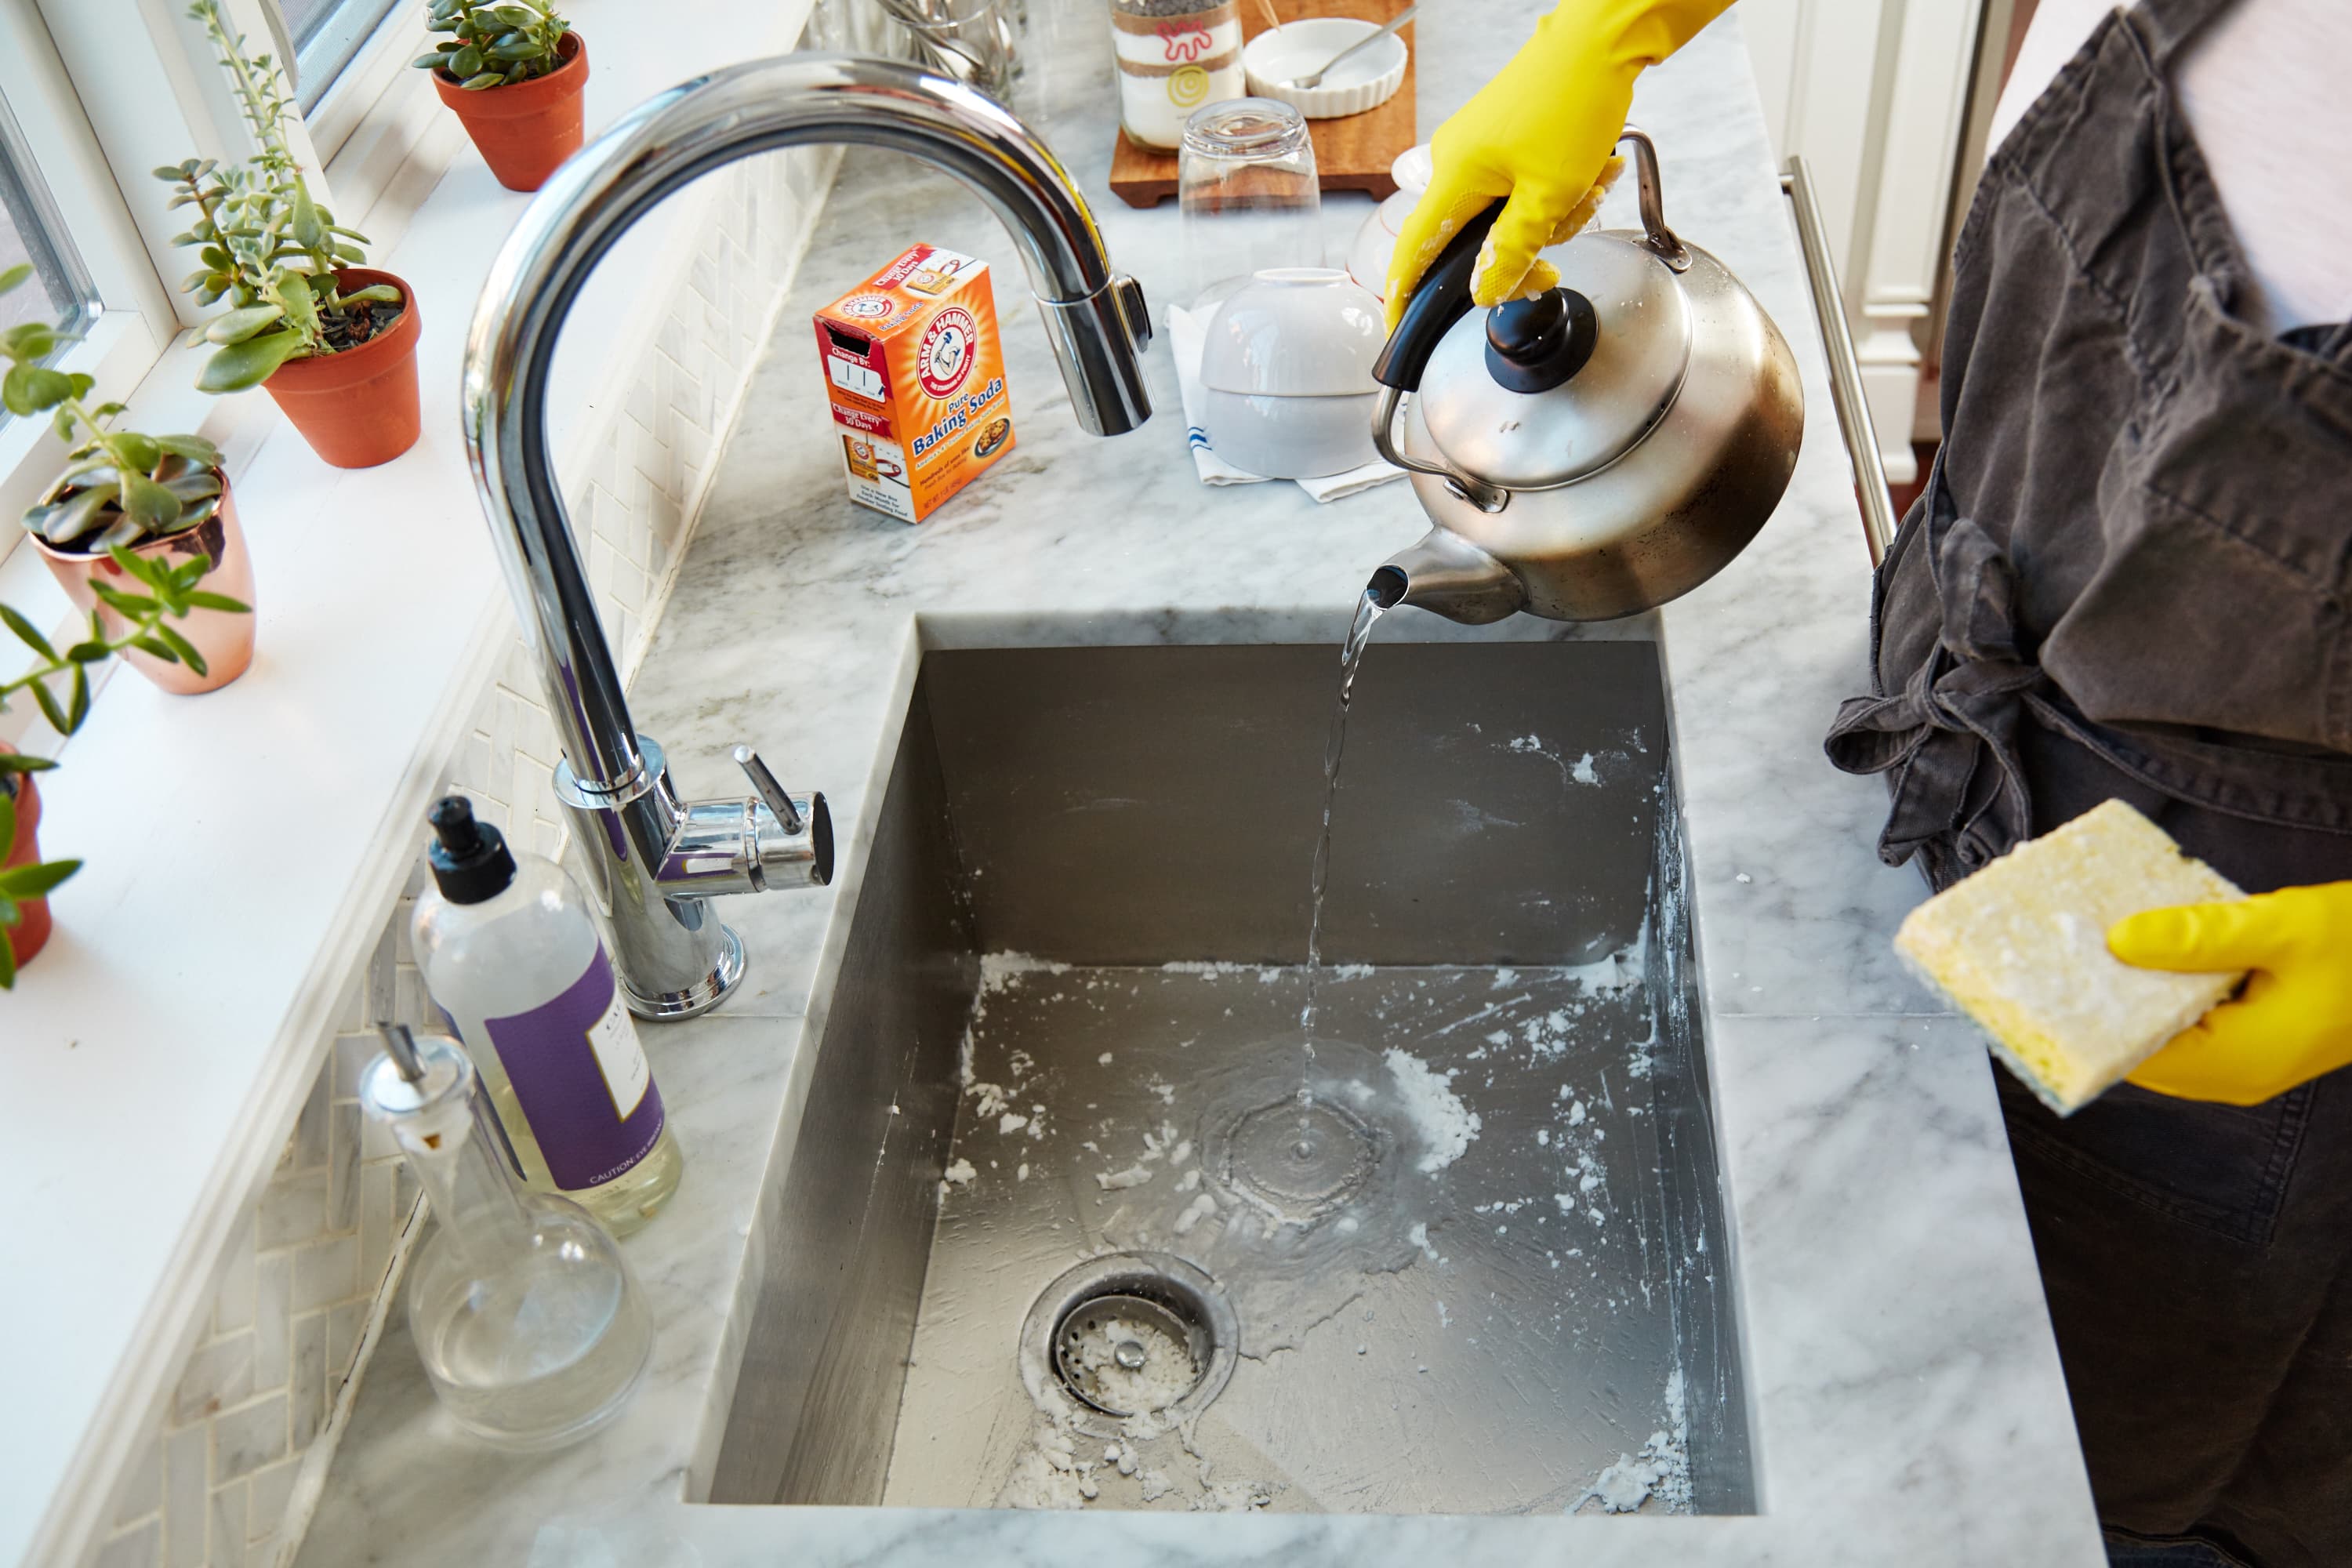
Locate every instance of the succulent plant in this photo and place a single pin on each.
(495, 46)
(266, 246)
(119, 487)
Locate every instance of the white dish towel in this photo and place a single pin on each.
(1186, 333)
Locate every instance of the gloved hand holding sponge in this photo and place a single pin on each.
(2102, 952)
(1538, 138)
(2293, 1021)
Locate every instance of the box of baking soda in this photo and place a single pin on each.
(915, 371)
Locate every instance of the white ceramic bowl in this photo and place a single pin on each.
(1294, 332)
(1291, 437)
(1277, 55)
(1376, 237)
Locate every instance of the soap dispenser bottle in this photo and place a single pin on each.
(525, 1314)
(512, 959)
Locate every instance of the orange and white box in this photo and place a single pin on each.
(915, 371)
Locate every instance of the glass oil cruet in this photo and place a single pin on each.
(525, 1314)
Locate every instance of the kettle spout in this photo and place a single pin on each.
(1446, 573)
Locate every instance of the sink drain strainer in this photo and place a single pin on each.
(1130, 1334)
(1297, 1159)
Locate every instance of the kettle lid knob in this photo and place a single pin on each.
(1537, 343)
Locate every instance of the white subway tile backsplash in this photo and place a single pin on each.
(244, 1440)
(296, 1291)
(233, 1296)
(306, 1389)
(343, 1165)
(309, 1140)
(271, 1486)
(273, 1281)
(293, 1209)
(142, 1546)
(220, 1373)
(188, 1496)
(139, 1493)
(325, 1271)
(227, 1540)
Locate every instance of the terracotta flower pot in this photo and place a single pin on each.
(357, 408)
(526, 128)
(31, 931)
(225, 639)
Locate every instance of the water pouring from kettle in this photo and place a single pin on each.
(1595, 451)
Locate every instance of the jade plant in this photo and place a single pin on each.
(119, 486)
(20, 885)
(266, 246)
(159, 593)
(170, 594)
(495, 46)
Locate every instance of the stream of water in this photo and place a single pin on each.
(1368, 611)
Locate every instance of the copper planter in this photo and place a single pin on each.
(225, 639)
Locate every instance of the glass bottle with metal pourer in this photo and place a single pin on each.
(526, 1316)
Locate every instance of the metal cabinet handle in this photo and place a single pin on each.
(1845, 368)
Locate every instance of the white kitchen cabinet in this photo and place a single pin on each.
(1885, 99)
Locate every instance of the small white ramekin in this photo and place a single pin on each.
(1298, 48)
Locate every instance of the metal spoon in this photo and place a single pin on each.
(1358, 47)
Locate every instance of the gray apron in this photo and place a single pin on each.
(2130, 576)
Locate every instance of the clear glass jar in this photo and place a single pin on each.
(971, 40)
(526, 1316)
(1174, 56)
(1246, 188)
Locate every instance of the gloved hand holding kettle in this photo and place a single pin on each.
(1537, 138)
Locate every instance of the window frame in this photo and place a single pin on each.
(136, 323)
(337, 46)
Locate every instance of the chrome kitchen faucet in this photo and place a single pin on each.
(654, 860)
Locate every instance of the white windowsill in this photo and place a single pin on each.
(242, 850)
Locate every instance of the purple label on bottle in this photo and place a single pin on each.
(582, 1079)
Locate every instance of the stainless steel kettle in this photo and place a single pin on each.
(1595, 451)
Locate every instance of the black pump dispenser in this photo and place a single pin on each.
(469, 861)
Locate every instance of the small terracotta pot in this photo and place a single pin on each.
(526, 128)
(31, 931)
(225, 639)
(357, 408)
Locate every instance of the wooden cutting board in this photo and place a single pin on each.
(1351, 154)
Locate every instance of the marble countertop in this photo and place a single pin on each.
(1906, 1402)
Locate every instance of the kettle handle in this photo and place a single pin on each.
(1443, 296)
(1441, 299)
(1663, 241)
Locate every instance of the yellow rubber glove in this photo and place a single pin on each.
(1537, 137)
(2293, 1021)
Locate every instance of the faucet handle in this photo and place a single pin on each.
(764, 784)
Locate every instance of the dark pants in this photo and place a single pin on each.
(2192, 1255)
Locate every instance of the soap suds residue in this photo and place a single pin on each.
(1661, 1471)
(1445, 1125)
(998, 970)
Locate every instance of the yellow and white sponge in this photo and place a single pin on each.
(2021, 947)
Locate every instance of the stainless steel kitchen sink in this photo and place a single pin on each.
(1078, 1217)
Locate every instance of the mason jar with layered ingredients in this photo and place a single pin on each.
(1175, 56)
